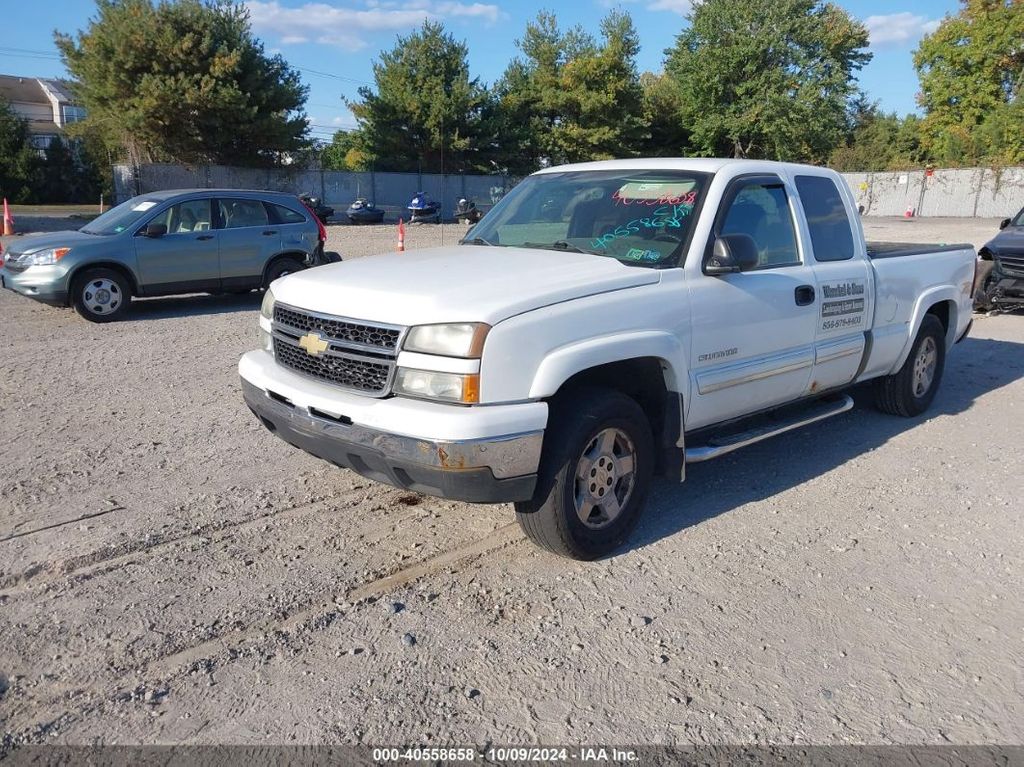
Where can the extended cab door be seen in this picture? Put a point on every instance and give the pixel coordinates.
(843, 281)
(753, 331)
(185, 258)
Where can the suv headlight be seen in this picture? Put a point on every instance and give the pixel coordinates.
(446, 387)
(460, 339)
(47, 257)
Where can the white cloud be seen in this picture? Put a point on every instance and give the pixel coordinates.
(896, 29)
(348, 27)
(682, 7)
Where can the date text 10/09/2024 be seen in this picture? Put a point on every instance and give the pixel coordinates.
(500, 754)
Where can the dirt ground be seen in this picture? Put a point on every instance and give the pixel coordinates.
(172, 573)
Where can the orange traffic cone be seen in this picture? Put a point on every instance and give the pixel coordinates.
(401, 236)
(8, 221)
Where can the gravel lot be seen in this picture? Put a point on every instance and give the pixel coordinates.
(170, 572)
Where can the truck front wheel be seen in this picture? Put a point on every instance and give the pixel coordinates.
(594, 475)
(912, 388)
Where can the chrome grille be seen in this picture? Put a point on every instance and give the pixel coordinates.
(1011, 263)
(359, 356)
(338, 329)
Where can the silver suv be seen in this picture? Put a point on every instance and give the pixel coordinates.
(165, 243)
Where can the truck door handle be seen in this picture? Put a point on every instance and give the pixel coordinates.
(804, 295)
(205, 237)
(269, 232)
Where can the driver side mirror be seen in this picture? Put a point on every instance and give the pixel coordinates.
(732, 253)
(155, 230)
(1004, 223)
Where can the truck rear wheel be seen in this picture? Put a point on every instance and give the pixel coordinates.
(910, 390)
(594, 476)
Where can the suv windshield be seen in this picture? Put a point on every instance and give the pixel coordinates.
(117, 219)
(641, 217)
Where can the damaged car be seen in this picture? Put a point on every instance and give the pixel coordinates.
(1000, 279)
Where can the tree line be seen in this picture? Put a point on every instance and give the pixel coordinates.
(187, 81)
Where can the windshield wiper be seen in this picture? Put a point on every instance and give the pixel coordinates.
(559, 245)
(476, 241)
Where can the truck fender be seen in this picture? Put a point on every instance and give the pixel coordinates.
(928, 299)
(566, 361)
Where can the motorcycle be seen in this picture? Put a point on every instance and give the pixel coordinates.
(315, 204)
(466, 211)
(363, 211)
(422, 209)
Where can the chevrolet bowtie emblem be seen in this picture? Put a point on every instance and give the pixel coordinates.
(313, 343)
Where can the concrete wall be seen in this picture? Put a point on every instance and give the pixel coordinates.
(391, 191)
(980, 192)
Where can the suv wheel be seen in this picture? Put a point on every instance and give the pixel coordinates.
(101, 295)
(280, 268)
(983, 287)
(594, 475)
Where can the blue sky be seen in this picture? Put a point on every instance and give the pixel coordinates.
(334, 42)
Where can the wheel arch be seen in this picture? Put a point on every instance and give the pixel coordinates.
(651, 379)
(941, 303)
(296, 255)
(125, 271)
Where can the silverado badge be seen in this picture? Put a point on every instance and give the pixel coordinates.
(313, 343)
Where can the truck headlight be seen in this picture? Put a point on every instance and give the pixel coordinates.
(460, 339)
(47, 257)
(267, 307)
(447, 387)
(266, 341)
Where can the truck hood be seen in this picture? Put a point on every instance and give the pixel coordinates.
(465, 283)
(35, 242)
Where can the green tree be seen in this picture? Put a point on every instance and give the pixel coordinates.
(425, 108)
(662, 114)
(768, 78)
(879, 141)
(18, 159)
(185, 81)
(342, 153)
(570, 98)
(972, 76)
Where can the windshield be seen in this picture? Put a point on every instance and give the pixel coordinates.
(1019, 221)
(122, 217)
(641, 217)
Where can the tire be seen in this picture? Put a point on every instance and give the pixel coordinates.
(101, 295)
(910, 390)
(983, 287)
(590, 436)
(280, 268)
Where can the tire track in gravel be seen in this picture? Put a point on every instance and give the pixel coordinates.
(88, 565)
(324, 600)
(229, 646)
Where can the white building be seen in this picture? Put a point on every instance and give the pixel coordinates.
(47, 105)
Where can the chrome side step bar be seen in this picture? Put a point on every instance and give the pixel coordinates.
(717, 446)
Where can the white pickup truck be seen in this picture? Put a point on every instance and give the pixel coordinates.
(604, 323)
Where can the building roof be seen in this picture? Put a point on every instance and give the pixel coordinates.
(26, 90)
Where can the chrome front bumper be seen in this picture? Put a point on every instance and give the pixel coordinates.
(488, 470)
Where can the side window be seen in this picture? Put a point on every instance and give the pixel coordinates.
(831, 232)
(762, 211)
(186, 217)
(235, 214)
(282, 215)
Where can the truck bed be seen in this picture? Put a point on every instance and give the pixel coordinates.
(899, 249)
